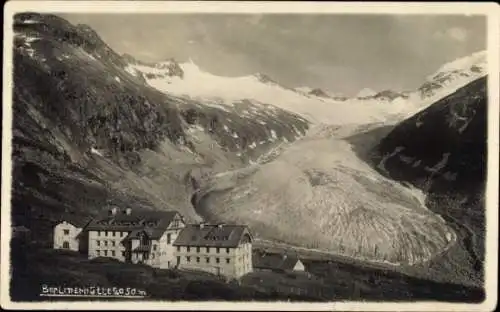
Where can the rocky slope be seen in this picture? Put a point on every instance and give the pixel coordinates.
(442, 150)
(88, 131)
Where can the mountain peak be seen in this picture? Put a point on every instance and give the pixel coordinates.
(455, 74)
(319, 92)
(264, 78)
(475, 59)
(366, 92)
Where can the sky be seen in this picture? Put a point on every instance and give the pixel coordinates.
(340, 53)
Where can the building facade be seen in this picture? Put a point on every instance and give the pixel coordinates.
(219, 249)
(66, 236)
(126, 235)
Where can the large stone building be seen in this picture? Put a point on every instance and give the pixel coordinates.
(160, 239)
(126, 235)
(220, 249)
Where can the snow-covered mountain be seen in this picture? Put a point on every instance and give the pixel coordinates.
(454, 75)
(320, 93)
(315, 105)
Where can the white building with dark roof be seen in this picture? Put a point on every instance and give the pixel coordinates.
(222, 249)
(126, 235)
(67, 233)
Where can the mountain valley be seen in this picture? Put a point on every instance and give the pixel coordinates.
(390, 178)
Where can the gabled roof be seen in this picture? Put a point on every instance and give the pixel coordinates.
(142, 248)
(154, 222)
(273, 261)
(78, 221)
(227, 235)
(151, 233)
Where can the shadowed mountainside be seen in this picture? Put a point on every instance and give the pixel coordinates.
(87, 132)
(442, 150)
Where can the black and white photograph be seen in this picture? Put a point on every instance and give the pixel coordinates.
(211, 155)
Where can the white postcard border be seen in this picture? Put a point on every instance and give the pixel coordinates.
(489, 9)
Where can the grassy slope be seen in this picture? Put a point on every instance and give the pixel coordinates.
(35, 266)
(331, 281)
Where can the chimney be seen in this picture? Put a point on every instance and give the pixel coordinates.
(220, 225)
(128, 211)
(202, 225)
(112, 211)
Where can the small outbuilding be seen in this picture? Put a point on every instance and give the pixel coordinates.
(286, 262)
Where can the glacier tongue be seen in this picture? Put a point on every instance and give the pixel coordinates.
(317, 193)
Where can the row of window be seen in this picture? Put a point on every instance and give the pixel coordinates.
(105, 243)
(151, 255)
(157, 254)
(198, 259)
(198, 249)
(111, 233)
(111, 253)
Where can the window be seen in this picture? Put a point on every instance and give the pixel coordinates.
(105, 243)
(98, 243)
(169, 238)
(113, 243)
(178, 259)
(106, 233)
(217, 249)
(98, 252)
(197, 259)
(178, 248)
(66, 245)
(175, 224)
(98, 233)
(105, 253)
(66, 232)
(188, 258)
(227, 260)
(217, 260)
(227, 250)
(208, 249)
(154, 247)
(114, 233)
(123, 253)
(198, 249)
(207, 259)
(188, 249)
(113, 253)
